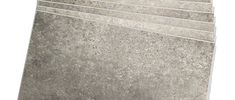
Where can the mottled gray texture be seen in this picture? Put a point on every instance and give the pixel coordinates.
(202, 1)
(158, 28)
(206, 1)
(171, 4)
(205, 26)
(194, 6)
(75, 59)
(198, 16)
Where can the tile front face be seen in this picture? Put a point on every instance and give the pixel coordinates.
(177, 22)
(75, 59)
(176, 13)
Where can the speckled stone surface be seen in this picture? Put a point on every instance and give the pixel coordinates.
(76, 59)
(206, 1)
(194, 6)
(205, 26)
(150, 27)
(171, 4)
(176, 13)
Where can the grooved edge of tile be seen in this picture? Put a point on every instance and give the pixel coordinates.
(176, 22)
(140, 5)
(160, 29)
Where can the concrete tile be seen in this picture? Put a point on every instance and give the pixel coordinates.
(75, 59)
(198, 16)
(176, 4)
(205, 26)
(203, 1)
(158, 28)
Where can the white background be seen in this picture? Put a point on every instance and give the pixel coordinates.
(16, 21)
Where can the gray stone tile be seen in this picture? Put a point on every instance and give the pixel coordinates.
(75, 59)
(194, 6)
(205, 26)
(199, 16)
(158, 28)
(206, 1)
(201, 1)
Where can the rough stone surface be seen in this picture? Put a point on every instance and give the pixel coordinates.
(176, 13)
(194, 6)
(206, 1)
(177, 22)
(150, 27)
(75, 59)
